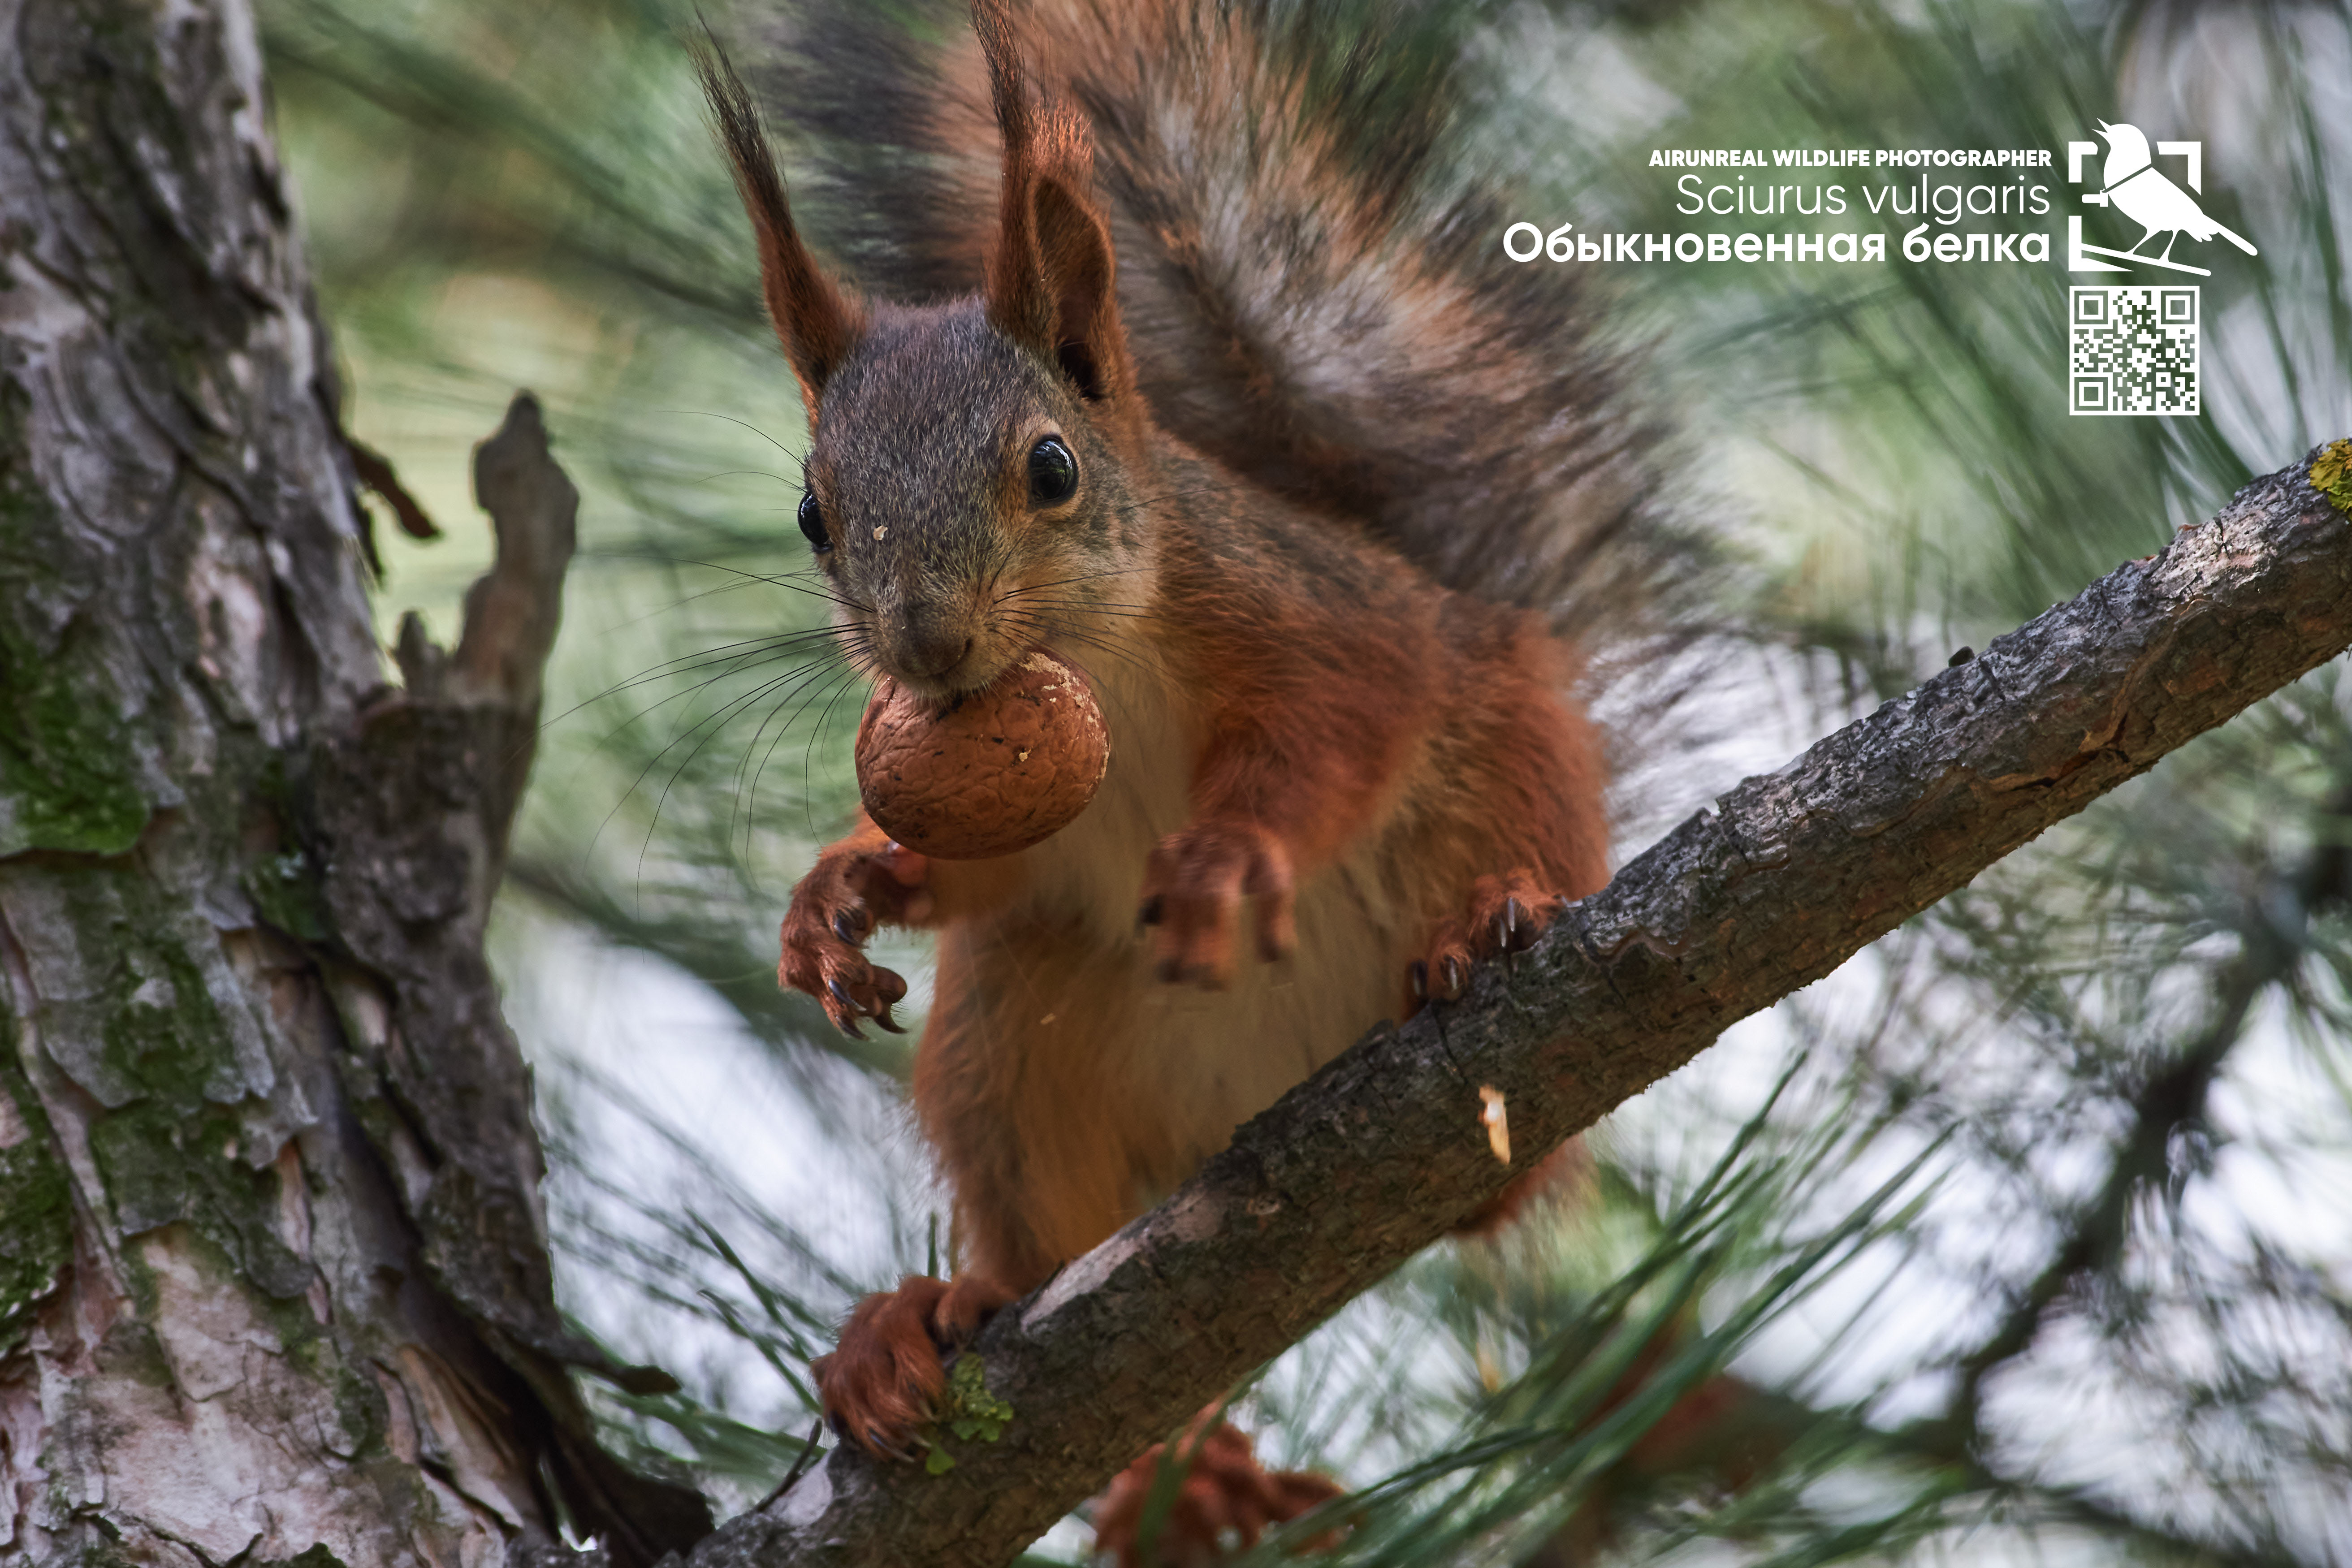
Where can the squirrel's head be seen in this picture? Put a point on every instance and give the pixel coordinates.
(967, 490)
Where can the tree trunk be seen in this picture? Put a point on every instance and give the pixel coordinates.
(274, 1283)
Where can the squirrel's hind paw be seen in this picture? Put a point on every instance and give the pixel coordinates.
(1225, 1500)
(881, 1385)
(1506, 914)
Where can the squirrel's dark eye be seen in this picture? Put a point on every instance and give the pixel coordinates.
(813, 522)
(1053, 471)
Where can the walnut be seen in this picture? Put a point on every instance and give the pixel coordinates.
(990, 773)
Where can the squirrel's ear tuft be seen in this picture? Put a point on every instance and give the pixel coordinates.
(1052, 278)
(817, 322)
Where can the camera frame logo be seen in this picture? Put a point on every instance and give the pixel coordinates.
(2133, 349)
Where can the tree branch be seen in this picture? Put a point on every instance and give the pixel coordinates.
(409, 818)
(1381, 1151)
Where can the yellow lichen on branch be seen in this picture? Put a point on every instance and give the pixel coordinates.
(2331, 475)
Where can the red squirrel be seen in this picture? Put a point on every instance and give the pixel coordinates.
(1272, 441)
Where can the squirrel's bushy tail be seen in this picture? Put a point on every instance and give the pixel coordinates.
(1310, 269)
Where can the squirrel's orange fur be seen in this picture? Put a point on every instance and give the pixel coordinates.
(1334, 782)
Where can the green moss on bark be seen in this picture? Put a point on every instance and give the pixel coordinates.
(36, 1209)
(160, 1166)
(286, 892)
(360, 1405)
(67, 765)
(155, 1048)
(316, 1557)
(66, 759)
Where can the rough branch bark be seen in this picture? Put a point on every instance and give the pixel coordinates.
(1380, 1152)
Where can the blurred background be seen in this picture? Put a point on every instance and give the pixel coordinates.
(2027, 1236)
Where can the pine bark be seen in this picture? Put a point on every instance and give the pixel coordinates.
(274, 1281)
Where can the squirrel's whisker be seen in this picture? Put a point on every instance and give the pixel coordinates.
(816, 734)
(742, 762)
(1078, 608)
(1078, 636)
(774, 579)
(1082, 577)
(750, 796)
(662, 671)
(732, 419)
(798, 675)
(735, 473)
(741, 664)
(713, 721)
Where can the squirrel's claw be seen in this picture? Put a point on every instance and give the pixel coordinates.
(1516, 927)
(868, 995)
(835, 909)
(845, 1010)
(1516, 930)
(904, 1455)
(889, 989)
(1192, 891)
(1506, 914)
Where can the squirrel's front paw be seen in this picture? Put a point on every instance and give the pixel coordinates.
(1192, 892)
(881, 1385)
(1506, 914)
(834, 910)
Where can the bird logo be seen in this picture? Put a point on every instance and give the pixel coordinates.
(2133, 185)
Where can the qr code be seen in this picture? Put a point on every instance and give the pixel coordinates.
(2132, 351)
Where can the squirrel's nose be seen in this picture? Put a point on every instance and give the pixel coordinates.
(927, 643)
